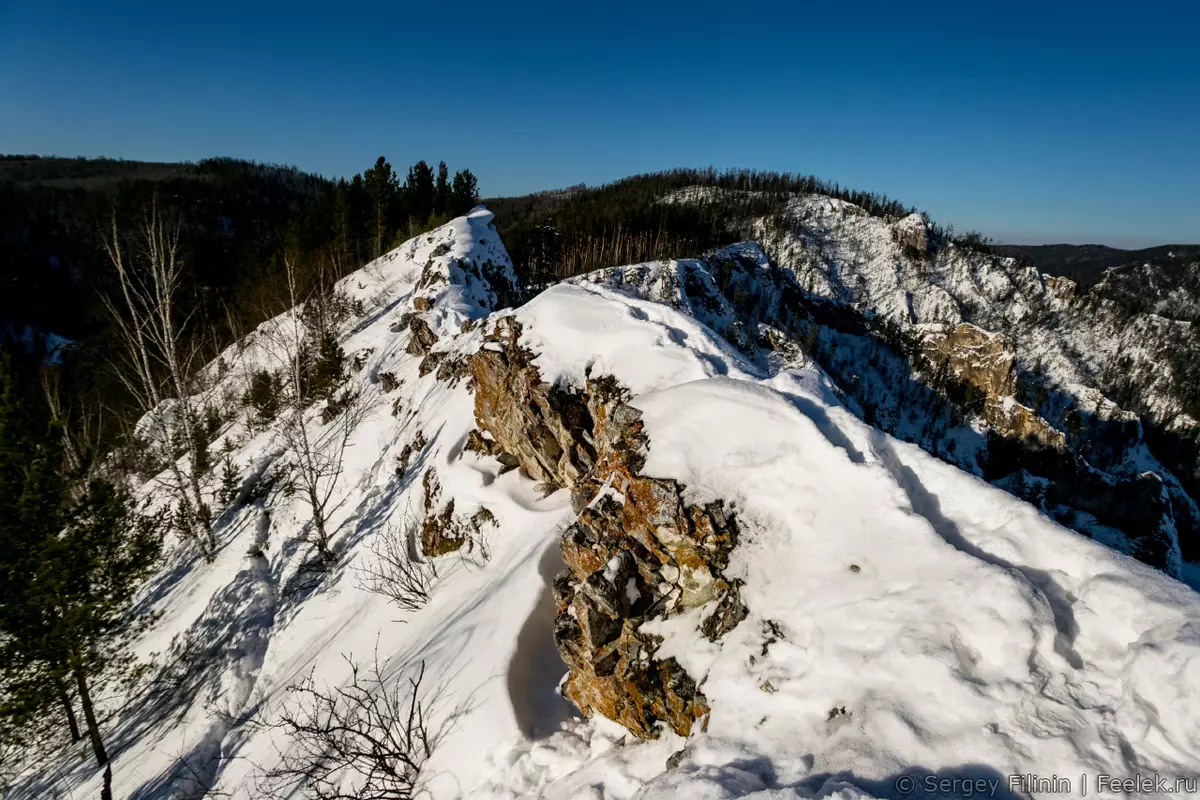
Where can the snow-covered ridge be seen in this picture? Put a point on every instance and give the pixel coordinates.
(1078, 344)
(902, 616)
(1109, 486)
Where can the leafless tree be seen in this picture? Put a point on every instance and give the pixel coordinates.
(316, 441)
(318, 453)
(364, 740)
(159, 357)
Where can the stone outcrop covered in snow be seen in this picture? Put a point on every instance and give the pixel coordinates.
(983, 365)
(636, 551)
(1083, 360)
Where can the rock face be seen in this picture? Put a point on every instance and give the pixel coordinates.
(912, 233)
(982, 359)
(423, 338)
(637, 551)
(983, 366)
(439, 533)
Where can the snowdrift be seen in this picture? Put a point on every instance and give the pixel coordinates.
(904, 620)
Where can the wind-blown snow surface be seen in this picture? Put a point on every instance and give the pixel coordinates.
(904, 617)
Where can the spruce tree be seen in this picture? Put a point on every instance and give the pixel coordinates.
(441, 191)
(464, 195)
(70, 563)
(380, 184)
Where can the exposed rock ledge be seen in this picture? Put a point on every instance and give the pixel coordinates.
(636, 551)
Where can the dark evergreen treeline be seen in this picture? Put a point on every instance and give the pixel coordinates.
(553, 235)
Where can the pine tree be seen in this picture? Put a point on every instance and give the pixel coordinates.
(419, 192)
(441, 192)
(85, 582)
(380, 184)
(70, 568)
(30, 512)
(464, 195)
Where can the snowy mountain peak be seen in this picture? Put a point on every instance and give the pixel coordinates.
(464, 272)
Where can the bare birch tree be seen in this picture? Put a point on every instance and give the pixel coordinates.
(316, 440)
(159, 359)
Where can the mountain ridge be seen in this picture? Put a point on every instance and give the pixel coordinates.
(686, 507)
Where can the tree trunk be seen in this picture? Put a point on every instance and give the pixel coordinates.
(72, 723)
(89, 715)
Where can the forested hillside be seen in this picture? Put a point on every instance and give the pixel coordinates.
(229, 223)
(1086, 263)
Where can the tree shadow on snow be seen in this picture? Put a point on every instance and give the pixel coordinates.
(918, 783)
(748, 776)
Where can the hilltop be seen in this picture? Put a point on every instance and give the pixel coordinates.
(639, 535)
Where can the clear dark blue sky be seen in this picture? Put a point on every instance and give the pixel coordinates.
(1038, 122)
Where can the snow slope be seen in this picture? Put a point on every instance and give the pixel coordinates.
(905, 618)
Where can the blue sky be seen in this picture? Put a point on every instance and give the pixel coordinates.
(1038, 122)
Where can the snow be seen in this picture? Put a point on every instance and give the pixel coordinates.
(905, 618)
(589, 329)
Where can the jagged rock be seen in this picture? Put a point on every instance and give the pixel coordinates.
(912, 232)
(453, 369)
(978, 370)
(429, 363)
(478, 443)
(637, 550)
(544, 427)
(1061, 289)
(422, 337)
(439, 532)
(972, 355)
(388, 382)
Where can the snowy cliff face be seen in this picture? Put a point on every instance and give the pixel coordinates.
(640, 488)
(1082, 364)
(1078, 346)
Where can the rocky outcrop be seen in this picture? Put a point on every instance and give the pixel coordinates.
(983, 360)
(439, 533)
(422, 337)
(636, 551)
(547, 429)
(980, 368)
(912, 234)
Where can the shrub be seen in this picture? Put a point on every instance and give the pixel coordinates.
(365, 740)
(396, 569)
